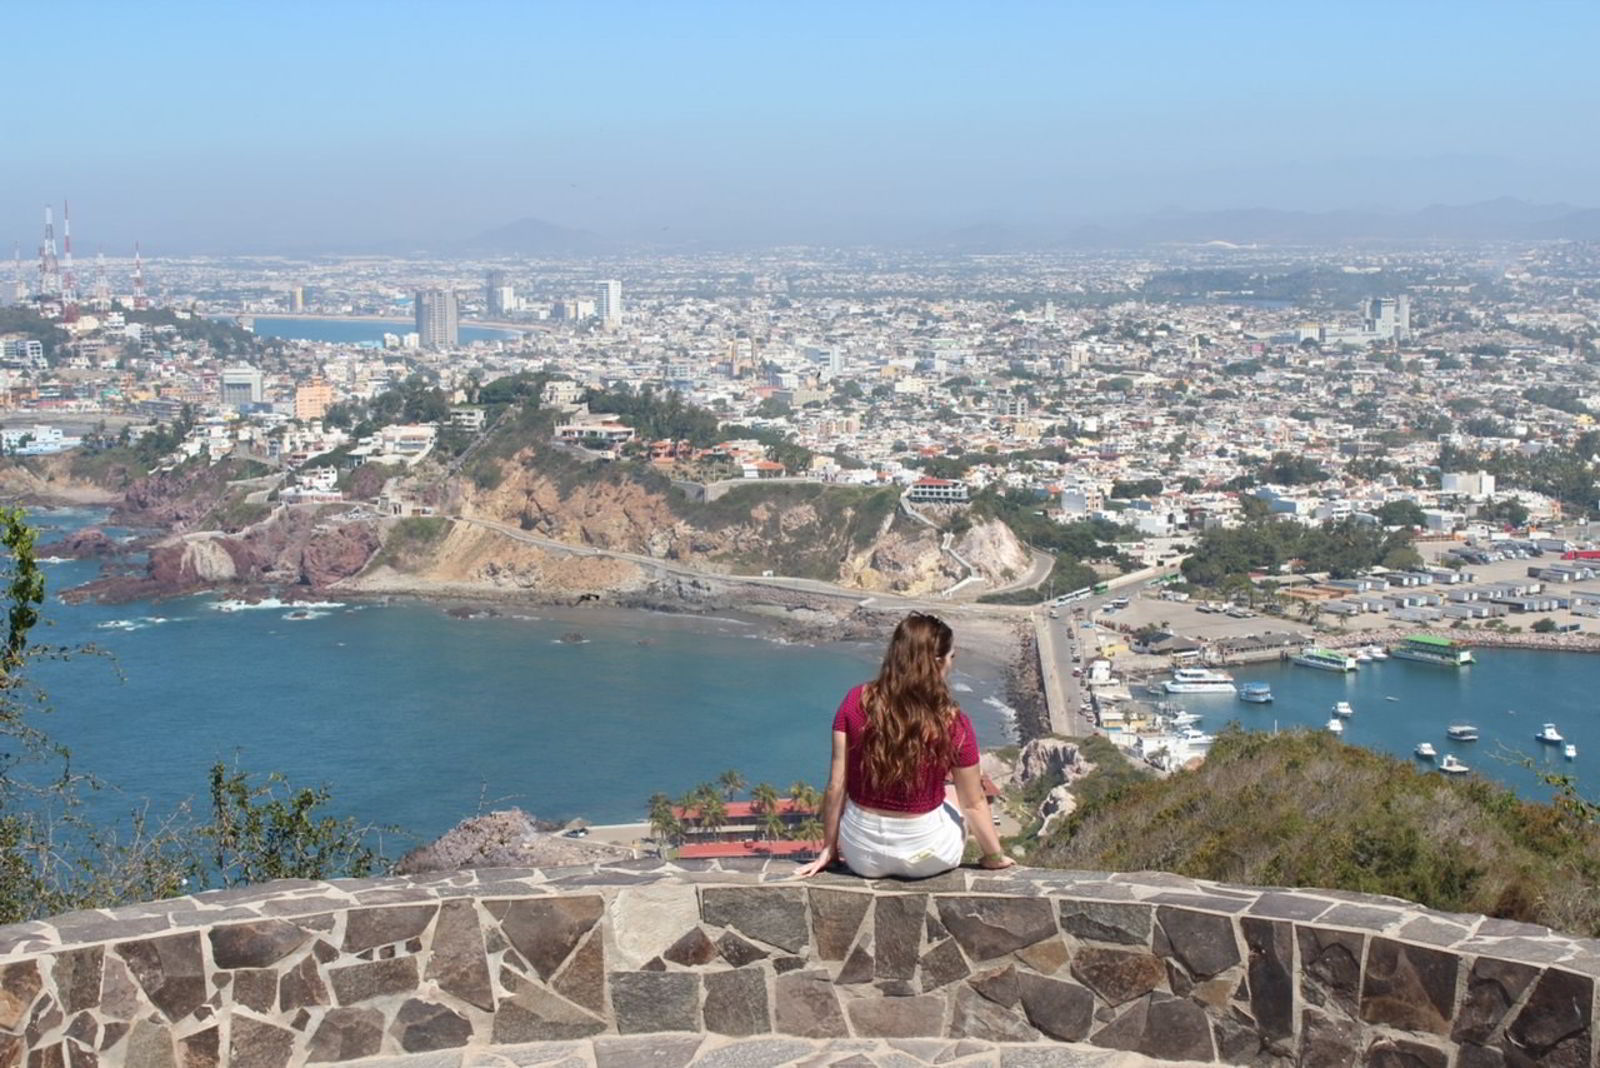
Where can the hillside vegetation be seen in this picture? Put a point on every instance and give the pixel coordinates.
(1303, 809)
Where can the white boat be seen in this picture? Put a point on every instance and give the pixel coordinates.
(1184, 719)
(1196, 740)
(1258, 693)
(1391, 698)
(1549, 735)
(1451, 766)
(1431, 650)
(1342, 708)
(1362, 656)
(1376, 652)
(1425, 751)
(1336, 726)
(1199, 680)
(1325, 659)
(1570, 752)
(1462, 732)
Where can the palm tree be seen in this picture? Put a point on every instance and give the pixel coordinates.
(804, 795)
(664, 822)
(689, 804)
(764, 800)
(732, 782)
(713, 812)
(809, 829)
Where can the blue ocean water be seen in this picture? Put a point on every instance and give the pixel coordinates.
(1508, 695)
(415, 718)
(354, 331)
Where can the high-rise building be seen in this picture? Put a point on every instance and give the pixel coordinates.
(438, 325)
(297, 298)
(241, 386)
(1389, 317)
(312, 400)
(608, 303)
(495, 292)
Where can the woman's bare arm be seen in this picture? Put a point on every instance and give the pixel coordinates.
(832, 809)
(975, 807)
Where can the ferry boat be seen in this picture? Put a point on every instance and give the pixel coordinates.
(1549, 735)
(1336, 726)
(1256, 693)
(1451, 766)
(1570, 752)
(1425, 751)
(1199, 680)
(1432, 650)
(1462, 732)
(1342, 708)
(1325, 659)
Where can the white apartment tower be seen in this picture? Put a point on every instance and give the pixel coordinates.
(608, 303)
(438, 324)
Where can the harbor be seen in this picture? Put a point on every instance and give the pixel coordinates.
(1514, 716)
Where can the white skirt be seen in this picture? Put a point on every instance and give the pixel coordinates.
(912, 847)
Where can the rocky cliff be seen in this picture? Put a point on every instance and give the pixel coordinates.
(307, 547)
(849, 535)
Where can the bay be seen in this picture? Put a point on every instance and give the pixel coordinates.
(418, 719)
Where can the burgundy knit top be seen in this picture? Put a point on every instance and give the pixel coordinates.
(926, 792)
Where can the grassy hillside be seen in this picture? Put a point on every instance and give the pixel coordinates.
(1303, 809)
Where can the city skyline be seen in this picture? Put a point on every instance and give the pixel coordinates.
(827, 124)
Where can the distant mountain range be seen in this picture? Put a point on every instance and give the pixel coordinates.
(534, 237)
(1505, 219)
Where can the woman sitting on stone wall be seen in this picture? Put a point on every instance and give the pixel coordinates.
(895, 739)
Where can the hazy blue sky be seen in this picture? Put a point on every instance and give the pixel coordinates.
(237, 125)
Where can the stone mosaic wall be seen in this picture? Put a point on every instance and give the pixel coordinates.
(304, 972)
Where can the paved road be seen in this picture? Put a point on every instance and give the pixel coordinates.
(778, 582)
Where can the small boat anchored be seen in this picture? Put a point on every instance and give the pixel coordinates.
(1462, 732)
(1336, 726)
(1343, 709)
(1549, 735)
(1425, 751)
(1258, 693)
(1570, 752)
(1451, 766)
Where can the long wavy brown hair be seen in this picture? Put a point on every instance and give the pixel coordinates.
(909, 708)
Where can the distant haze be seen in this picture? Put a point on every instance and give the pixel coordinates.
(354, 126)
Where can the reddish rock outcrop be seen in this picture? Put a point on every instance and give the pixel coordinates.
(86, 544)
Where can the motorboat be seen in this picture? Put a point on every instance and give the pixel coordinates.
(1199, 680)
(1362, 656)
(1425, 751)
(1342, 708)
(1570, 752)
(1182, 718)
(1325, 659)
(1336, 726)
(1376, 652)
(1432, 650)
(1256, 693)
(1549, 735)
(1451, 766)
(1461, 732)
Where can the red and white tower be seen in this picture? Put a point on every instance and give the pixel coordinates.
(140, 301)
(102, 288)
(69, 278)
(49, 266)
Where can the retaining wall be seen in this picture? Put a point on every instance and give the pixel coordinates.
(299, 972)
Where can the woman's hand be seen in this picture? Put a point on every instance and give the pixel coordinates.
(996, 862)
(824, 858)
